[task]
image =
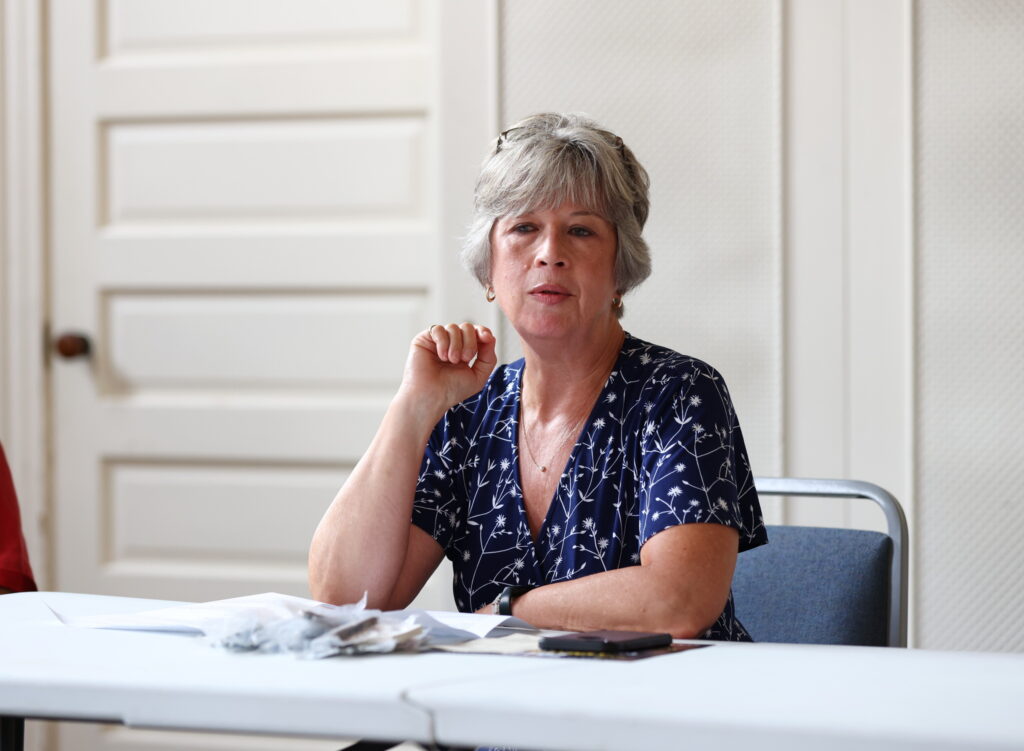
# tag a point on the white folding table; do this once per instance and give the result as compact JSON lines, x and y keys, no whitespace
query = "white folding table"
{"x":157,"y":680}
{"x":728,"y":696}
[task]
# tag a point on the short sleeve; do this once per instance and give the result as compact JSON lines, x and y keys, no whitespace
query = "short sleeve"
{"x":693,"y":463}
{"x":435,"y":504}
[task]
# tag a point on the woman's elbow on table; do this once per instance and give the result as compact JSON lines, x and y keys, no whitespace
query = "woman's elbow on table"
{"x":683,"y":618}
{"x":319,"y":587}
{"x":689,"y":628}
{"x":325,"y":584}
{"x":333,"y":591}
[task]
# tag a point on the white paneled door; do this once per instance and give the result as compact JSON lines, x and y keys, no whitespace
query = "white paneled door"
{"x":246,"y":232}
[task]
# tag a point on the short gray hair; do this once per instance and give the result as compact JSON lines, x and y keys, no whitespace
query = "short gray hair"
{"x":548,"y":159}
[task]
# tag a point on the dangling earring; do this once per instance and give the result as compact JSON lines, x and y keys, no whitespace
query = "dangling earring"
{"x":490,"y":294}
{"x":616,"y":303}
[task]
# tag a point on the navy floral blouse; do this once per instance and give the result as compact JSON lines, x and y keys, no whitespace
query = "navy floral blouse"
{"x":662,"y":447}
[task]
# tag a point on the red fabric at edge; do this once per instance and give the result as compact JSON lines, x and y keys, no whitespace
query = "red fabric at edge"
{"x":15,"y":570}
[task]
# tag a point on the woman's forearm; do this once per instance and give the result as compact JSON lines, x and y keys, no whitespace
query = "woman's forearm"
{"x":360,"y":544}
{"x":628,"y":599}
{"x":681,"y":587}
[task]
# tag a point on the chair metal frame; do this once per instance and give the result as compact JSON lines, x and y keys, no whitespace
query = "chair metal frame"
{"x":896,"y":522}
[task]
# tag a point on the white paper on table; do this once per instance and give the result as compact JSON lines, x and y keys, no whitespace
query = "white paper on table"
{"x":198,"y":617}
{"x":474,"y":625}
{"x":517,"y":643}
{"x":205,"y":617}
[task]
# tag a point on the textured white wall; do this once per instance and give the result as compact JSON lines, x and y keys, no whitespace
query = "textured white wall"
{"x":696,"y":88}
{"x":970,"y":270}
{"x":692,"y":87}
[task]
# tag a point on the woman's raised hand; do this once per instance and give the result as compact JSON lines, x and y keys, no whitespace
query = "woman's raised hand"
{"x":449,"y":363}
{"x":365,"y":542}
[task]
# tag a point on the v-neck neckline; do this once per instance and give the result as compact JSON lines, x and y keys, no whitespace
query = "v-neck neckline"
{"x":570,"y":460}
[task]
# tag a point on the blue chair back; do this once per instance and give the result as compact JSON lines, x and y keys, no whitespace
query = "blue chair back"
{"x":815,"y":585}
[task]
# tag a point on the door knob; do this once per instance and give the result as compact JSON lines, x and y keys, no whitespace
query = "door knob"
{"x":72,"y":344}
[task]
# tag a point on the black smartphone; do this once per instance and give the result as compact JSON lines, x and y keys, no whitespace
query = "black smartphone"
{"x":605,"y":641}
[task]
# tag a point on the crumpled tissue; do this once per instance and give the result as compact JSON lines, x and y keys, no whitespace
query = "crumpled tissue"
{"x":273,"y":622}
{"x":321,"y":631}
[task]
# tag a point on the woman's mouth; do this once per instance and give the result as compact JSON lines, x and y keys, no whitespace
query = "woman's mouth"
{"x":549,"y":293}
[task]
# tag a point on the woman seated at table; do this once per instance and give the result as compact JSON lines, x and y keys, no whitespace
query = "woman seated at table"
{"x":601,"y":482}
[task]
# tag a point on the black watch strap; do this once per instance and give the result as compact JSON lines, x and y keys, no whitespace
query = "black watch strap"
{"x":508,"y":594}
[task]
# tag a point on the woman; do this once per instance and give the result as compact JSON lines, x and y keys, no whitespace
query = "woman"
{"x":641,"y":528}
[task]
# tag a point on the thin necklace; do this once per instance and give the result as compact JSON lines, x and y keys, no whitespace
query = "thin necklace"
{"x":566,"y":435}
{"x":570,"y":432}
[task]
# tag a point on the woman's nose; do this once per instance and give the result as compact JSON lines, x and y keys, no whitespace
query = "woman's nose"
{"x":551,"y":252}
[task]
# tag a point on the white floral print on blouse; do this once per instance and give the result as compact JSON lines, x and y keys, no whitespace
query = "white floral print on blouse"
{"x":662,"y":447}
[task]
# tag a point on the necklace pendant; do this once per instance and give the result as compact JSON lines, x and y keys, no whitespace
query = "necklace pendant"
{"x":543,"y":469}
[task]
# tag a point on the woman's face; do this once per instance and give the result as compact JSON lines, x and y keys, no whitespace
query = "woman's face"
{"x":553,"y":270}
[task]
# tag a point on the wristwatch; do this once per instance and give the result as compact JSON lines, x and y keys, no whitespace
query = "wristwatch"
{"x":503,"y":605}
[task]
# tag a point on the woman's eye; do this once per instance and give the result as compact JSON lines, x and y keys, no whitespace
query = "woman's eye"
{"x":580,"y":231}
{"x":523,"y":228}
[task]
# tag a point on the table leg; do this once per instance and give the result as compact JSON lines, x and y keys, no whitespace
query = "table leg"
{"x":386,"y":745}
{"x":12,"y":733}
